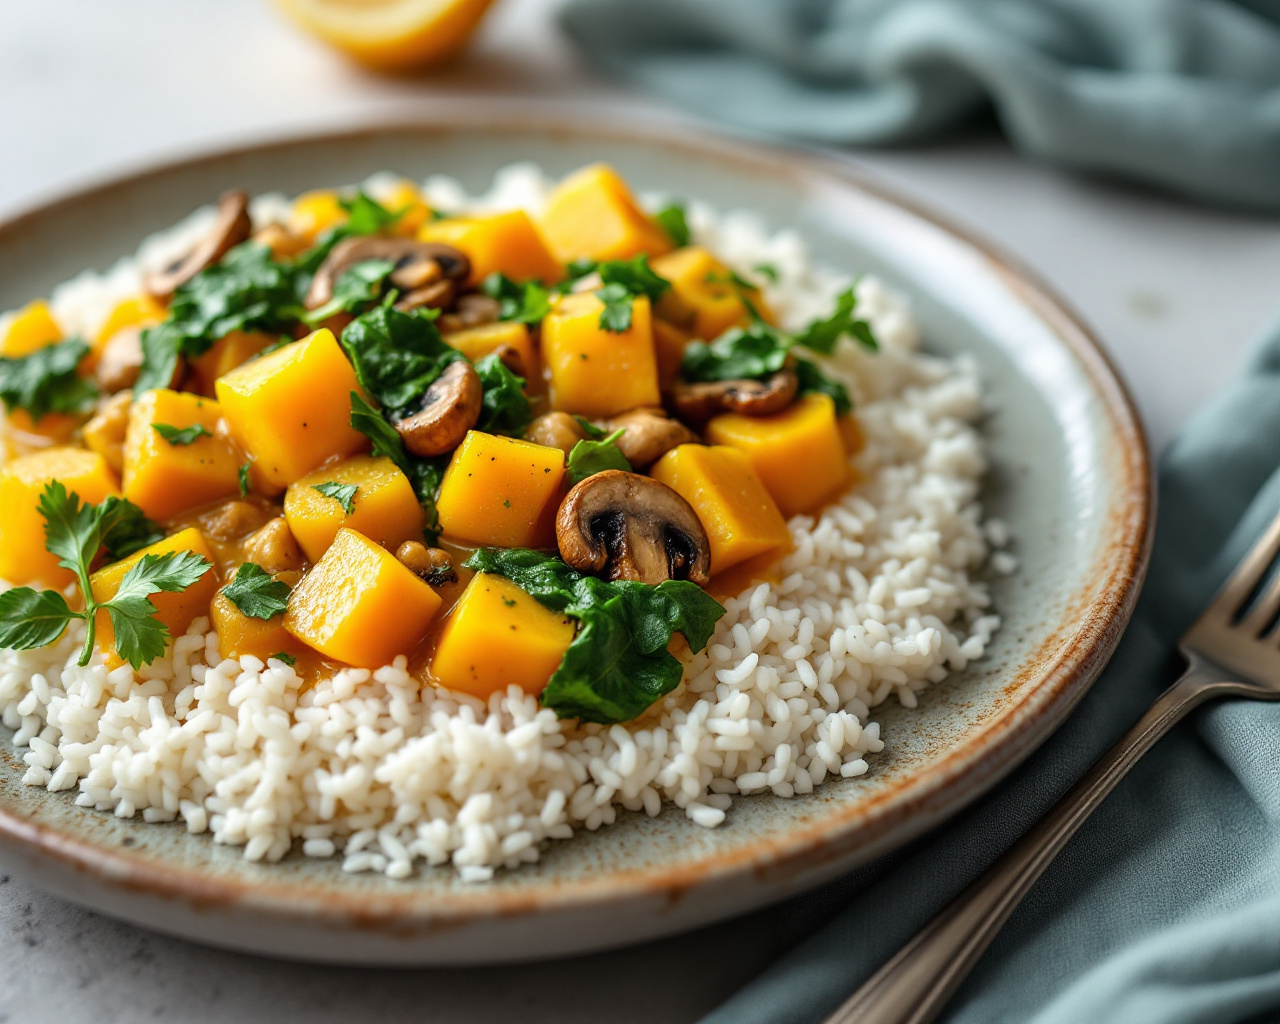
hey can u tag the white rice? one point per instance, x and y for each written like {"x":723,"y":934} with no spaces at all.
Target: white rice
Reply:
{"x":878,"y":598}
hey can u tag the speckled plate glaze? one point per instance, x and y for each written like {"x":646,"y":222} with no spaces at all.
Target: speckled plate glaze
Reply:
{"x":1070,"y":474}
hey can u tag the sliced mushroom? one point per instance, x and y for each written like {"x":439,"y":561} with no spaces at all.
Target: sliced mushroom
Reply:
{"x":418,"y":266}
{"x":630,"y":527}
{"x":273,"y":547}
{"x":697,"y":403}
{"x":451,"y":406}
{"x":121,"y":360}
{"x":648,"y":435}
{"x":555,"y":430}
{"x":433,"y":565}
{"x":230,"y":229}
{"x":439,"y":295}
{"x":472,"y":310}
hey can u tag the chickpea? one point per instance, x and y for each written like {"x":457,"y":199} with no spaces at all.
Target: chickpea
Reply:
{"x":274,"y":548}
{"x":432,"y":564}
{"x":104,"y":433}
{"x":233,"y":519}
{"x":555,"y":430}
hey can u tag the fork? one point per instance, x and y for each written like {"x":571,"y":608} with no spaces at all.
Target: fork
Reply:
{"x":1232,"y":650}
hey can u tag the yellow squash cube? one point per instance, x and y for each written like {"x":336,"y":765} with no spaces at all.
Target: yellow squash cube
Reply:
{"x":404,"y":199}
{"x":314,"y":213}
{"x":240,"y":635}
{"x":32,"y":327}
{"x":498,"y":636}
{"x":290,"y":409}
{"x":359,"y":605}
{"x":703,"y":298}
{"x":477,"y":342}
{"x":594,"y":372}
{"x":139,"y":310}
{"x":593,"y":215}
{"x":798,"y":453}
{"x":175,"y":610}
{"x":163,"y":478}
{"x":740,"y":517}
{"x":23,"y":556}
{"x":384,"y":507}
{"x":500,"y":492}
{"x":505,"y":243}
{"x":236,"y":349}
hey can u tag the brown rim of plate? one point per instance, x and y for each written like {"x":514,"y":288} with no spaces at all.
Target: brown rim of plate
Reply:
{"x":1066,"y":664}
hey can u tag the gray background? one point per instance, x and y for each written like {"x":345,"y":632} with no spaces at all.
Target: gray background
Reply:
{"x":93,"y":87}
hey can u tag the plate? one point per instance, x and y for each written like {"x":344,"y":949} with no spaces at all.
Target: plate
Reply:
{"x":1069,"y":474}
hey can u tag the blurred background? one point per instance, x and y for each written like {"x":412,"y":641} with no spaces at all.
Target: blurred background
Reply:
{"x":91,"y":88}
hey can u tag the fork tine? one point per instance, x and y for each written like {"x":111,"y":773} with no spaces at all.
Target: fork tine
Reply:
{"x":1259,"y":617}
{"x":1252,"y":568}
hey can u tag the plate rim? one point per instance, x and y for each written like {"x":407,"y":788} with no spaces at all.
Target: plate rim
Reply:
{"x":992,"y":752}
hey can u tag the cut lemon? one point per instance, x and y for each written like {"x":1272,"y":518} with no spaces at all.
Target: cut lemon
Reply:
{"x":391,"y":35}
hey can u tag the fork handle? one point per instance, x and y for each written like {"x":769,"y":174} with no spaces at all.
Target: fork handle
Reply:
{"x":913,"y":987}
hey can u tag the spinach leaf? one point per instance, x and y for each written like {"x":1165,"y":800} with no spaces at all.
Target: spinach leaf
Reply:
{"x":46,"y":381}
{"x":247,"y":290}
{"x":618,"y":663}
{"x":423,"y":474}
{"x":754,"y":351}
{"x":506,"y":409}
{"x":593,"y":456}
{"x":814,"y":381}
{"x":360,"y":285}
{"x":397,"y":356}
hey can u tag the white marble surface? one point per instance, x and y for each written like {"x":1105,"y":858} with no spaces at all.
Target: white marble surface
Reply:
{"x":88,"y":87}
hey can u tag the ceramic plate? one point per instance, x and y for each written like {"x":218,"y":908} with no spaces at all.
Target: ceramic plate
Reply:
{"x":1070,"y":475}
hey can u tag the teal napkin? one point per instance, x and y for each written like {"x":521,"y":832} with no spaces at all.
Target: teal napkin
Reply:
{"x":1165,"y":908}
{"x":1184,"y":94}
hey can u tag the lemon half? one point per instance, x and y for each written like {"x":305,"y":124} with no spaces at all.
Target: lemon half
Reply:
{"x":390,"y":35}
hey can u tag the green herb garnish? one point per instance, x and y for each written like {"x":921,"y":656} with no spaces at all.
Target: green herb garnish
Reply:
{"x":256,"y":592}
{"x":505,"y":409}
{"x":526,"y":303}
{"x":618,"y":663}
{"x":181,"y":437}
{"x":767,"y":271}
{"x":46,"y":381}
{"x":822,"y":335}
{"x":126,"y":529}
{"x":75,"y":533}
{"x":623,"y":281}
{"x":343,"y":494}
{"x":595,"y":456}
{"x":671,"y":218}
{"x":287,"y":659}
{"x":243,"y":476}
{"x":590,"y":429}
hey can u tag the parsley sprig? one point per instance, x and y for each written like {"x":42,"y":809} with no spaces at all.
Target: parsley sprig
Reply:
{"x":257,"y":593}
{"x":343,"y":494}
{"x":596,"y":454}
{"x":622,"y":281}
{"x":181,"y":437}
{"x":75,"y":532}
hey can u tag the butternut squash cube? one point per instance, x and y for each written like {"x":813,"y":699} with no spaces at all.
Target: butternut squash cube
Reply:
{"x":404,"y":199}
{"x":703,"y":297}
{"x":175,"y":610}
{"x":477,"y":342}
{"x":501,"y":492}
{"x":740,"y":517}
{"x":594,"y":372}
{"x":593,"y":215}
{"x":506,"y":243}
{"x":314,"y":213}
{"x":139,"y":310}
{"x":290,"y":409}
{"x":23,"y":556}
{"x":669,"y":343}
{"x":384,"y":507}
{"x":240,"y":635}
{"x":32,"y":327}
{"x":165,"y":478}
{"x":359,"y":605}
{"x":498,"y":636}
{"x":798,"y":453}
{"x":236,"y":349}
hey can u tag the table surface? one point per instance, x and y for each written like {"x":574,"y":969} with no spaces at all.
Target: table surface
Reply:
{"x":88,"y":88}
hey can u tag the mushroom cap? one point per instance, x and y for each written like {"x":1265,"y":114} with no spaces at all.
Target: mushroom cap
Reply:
{"x":451,"y":407}
{"x":631,"y":527}
{"x":698,"y":402}
{"x":232,"y":227}
{"x":648,"y":434}
{"x":418,"y":265}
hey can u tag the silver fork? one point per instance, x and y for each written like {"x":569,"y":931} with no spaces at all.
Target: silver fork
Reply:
{"x":1233,"y":650}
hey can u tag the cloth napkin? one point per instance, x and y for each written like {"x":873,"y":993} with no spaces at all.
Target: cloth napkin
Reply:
{"x":1184,"y":94}
{"x":1165,"y":908}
